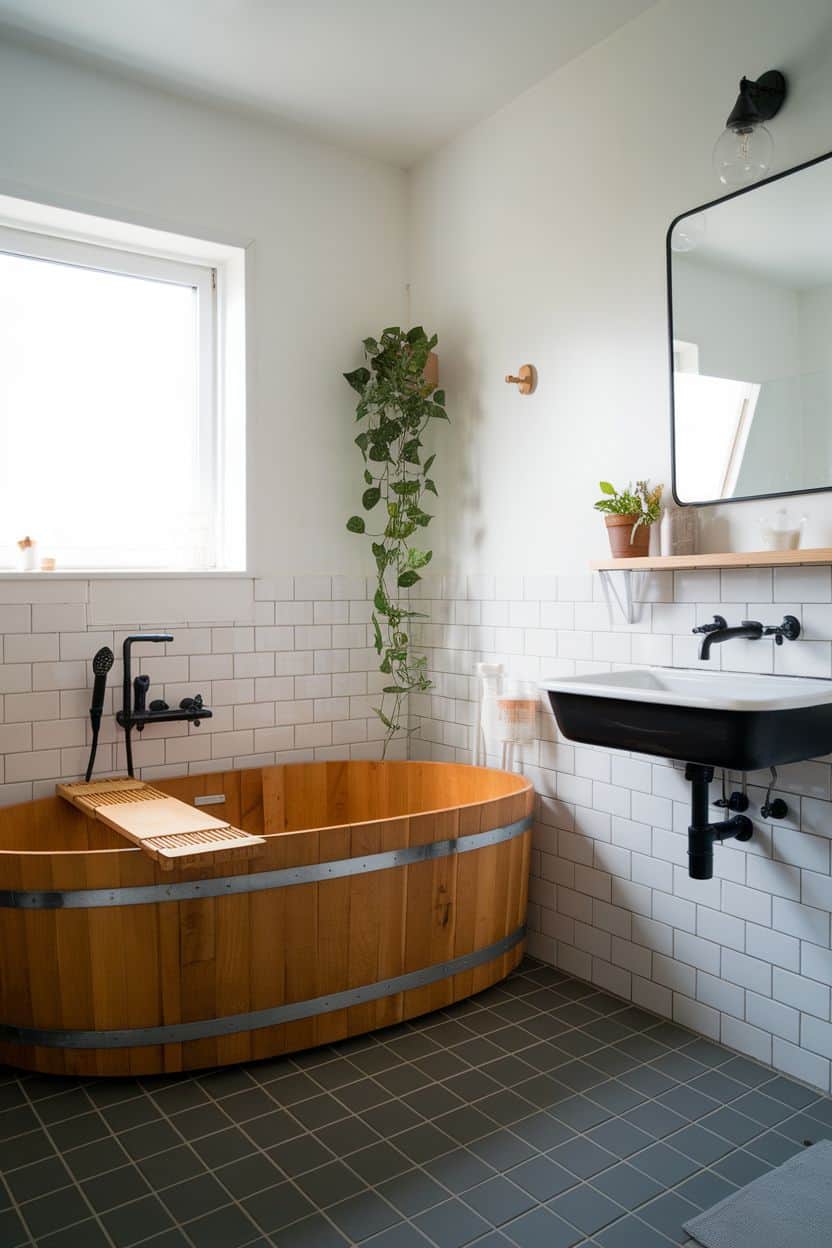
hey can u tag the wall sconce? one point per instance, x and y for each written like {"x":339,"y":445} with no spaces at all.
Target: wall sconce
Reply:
{"x":743,"y":151}
{"x":526,"y":379}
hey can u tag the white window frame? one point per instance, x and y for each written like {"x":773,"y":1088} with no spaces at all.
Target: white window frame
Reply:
{"x":217,"y":271}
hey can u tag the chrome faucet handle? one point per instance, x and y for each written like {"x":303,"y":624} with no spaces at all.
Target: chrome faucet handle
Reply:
{"x":719,"y":622}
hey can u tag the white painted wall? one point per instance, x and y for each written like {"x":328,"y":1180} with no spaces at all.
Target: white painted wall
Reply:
{"x":539,"y":235}
{"x":326,"y":234}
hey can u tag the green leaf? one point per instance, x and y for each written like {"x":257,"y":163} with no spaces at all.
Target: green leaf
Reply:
{"x":406,"y":579}
{"x":380,"y":453}
{"x":370,"y":346}
{"x":405,"y":488}
{"x":358,"y":379}
{"x":368,"y":477}
{"x":387,"y":723}
{"x":439,"y":413}
{"x":356,"y":525}
{"x":416,"y":334}
{"x":370,"y":497}
{"x":431,"y":485}
{"x":606,"y":488}
{"x":418,"y":558}
{"x":439,"y":397}
{"x":362,"y":441}
{"x":377,"y":639}
{"x":396,"y":689}
{"x":410,"y":451}
{"x":429,"y":463}
{"x":380,"y":601}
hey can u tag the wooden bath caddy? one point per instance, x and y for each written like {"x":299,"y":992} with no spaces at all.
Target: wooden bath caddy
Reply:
{"x":167,"y":830}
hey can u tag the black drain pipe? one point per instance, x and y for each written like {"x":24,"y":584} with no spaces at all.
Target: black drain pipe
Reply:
{"x":702,"y":833}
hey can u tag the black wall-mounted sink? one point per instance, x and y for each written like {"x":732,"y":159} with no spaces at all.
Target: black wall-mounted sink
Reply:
{"x":721,"y":719}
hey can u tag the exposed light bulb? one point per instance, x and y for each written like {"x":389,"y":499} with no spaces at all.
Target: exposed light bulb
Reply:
{"x":743,"y":156}
{"x":688,"y":233}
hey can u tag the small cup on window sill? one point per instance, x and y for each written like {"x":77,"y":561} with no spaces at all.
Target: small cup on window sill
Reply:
{"x":47,"y":564}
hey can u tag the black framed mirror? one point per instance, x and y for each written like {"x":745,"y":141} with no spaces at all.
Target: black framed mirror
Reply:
{"x":749,"y":279}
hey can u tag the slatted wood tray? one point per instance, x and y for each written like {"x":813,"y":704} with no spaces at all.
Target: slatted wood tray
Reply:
{"x":167,"y":830}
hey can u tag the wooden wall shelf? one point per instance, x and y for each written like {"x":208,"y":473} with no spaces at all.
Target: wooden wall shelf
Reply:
{"x":745,"y":559}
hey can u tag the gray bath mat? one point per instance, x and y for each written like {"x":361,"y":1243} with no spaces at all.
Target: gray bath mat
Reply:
{"x":787,"y":1207}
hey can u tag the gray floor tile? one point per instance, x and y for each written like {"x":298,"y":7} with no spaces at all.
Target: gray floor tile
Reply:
{"x":542,"y":1131}
{"x":12,"y":1230}
{"x":631,"y":1232}
{"x":502,"y":1149}
{"x":173,"y":1166}
{"x":315,"y":1231}
{"x":194,"y":1197}
{"x":732,"y":1125}
{"x":741,"y":1167}
{"x":657,"y":1120}
{"x":116,"y":1188}
{"x":667,"y":1213}
{"x":704,"y":1146}
{"x":54,"y":1211}
{"x":249,"y":1175}
{"x":460,"y":1169}
{"x":38,"y":1179}
{"x":364,"y":1215}
{"x":705,"y":1189}
{"x":627,"y":1186}
{"x":665,"y":1164}
{"x":543,"y":1178}
{"x":225,"y":1228}
{"x":580,"y":1113}
{"x":412,"y":1192}
{"x":586,"y":1208}
{"x":329,"y":1184}
{"x":789,"y":1092}
{"x":583,"y":1157}
{"x":277,"y":1207}
{"x":773,"y":1147}
{"x":131,"y":1223}
{"x":498,"y":1200}
{"x":90,"y":1234}
{"x":620,"y":1138}
{"x":301,"y":1154}
{"x":542,"y":1229}
{"x":451,"y":1224}
{"x":401,"y":1236}
{"x":379,"y":1162}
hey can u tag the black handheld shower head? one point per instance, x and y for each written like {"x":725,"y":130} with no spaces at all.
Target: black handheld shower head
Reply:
{"x":101,"y":664}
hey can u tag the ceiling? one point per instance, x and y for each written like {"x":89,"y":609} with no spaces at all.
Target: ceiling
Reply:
{"x":391,"y":78}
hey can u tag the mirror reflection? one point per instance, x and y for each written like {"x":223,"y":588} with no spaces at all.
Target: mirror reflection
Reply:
{"x":751,"y":307}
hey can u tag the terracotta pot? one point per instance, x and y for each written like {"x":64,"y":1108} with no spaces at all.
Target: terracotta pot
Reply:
{"x":619,"y":529}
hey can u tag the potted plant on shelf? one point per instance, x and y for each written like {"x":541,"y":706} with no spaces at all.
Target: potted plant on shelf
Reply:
{"x":628,"y":515}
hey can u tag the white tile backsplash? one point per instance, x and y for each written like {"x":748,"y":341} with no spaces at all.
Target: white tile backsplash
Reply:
{"x":744,"y":958}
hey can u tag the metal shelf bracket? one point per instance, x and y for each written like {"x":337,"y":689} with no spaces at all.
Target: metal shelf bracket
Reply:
{"x":625,"y":602}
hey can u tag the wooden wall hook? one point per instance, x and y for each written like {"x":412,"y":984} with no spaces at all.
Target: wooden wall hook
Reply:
{"x":526,"y":379}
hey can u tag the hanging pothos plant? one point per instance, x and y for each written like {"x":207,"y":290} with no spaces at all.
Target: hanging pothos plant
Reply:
{"x":396,"y":405}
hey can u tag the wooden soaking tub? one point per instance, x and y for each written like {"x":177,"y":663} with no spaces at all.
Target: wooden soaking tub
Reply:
{"x":384,"y":890}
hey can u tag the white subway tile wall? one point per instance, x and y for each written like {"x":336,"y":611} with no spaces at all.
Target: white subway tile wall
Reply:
{"x":744,"y":958}
{"x":288,"y":677}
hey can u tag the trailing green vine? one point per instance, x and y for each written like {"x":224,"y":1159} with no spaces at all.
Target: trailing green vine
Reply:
{"x":396,"y":405}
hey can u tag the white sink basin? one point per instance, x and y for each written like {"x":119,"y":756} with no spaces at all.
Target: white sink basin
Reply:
{"x":690,"y":687}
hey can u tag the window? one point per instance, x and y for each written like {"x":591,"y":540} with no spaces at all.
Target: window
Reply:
{"x":116,"y":451}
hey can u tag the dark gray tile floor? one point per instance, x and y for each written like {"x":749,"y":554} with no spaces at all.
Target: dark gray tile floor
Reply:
{"x":541,"y":1114}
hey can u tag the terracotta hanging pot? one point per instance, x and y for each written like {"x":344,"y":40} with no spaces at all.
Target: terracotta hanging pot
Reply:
{"x":620,"y":530}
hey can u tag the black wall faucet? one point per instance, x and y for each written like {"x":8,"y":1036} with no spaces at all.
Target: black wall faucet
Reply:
{"x":752,"y":630}
{"x":135,"y":713}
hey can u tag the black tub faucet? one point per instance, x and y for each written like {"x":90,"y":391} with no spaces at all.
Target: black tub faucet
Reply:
{"x":134,"y":711}
{"x":752,"y":630}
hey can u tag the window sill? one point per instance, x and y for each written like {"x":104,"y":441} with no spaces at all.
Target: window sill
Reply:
{"x":146,"y":574}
